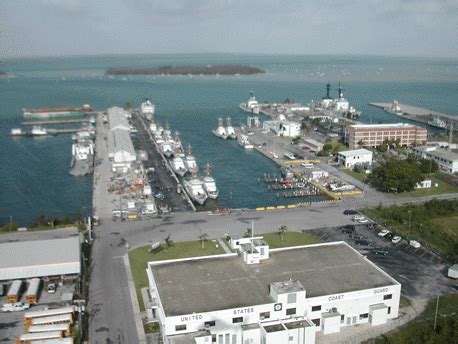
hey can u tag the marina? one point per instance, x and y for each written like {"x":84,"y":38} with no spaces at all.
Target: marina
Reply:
{"x":419,"y":114}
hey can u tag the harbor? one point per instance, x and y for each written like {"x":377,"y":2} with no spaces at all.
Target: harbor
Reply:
{"x":419,"y":114}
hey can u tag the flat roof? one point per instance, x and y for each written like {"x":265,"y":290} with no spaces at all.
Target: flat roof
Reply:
{"x":438,"y":152}
{"x":27,"y":259}
{"x":354,"y":152}
{"x":385,"y":125}
{"x":226,"y":282}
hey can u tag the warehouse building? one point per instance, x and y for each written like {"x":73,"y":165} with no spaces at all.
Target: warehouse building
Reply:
{"x":269,"y":296}
{"x":58,"y":258}
{"x":445,"y":158}
{"x":373,"y":135}
{"x":121,"y":151}
{"x":354,"y":157}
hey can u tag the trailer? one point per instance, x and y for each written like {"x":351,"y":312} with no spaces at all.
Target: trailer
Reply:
{"x":31,"y":294}
{"x":64,"y":328}
{"x":32,"y":337}
{"x":54,"y":319}
{"x":14,"y":291}
{"x":47,"y":313}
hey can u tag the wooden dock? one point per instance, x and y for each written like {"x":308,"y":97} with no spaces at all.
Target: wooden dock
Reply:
{"x":57,"y":121}
{"x":420,"y":115}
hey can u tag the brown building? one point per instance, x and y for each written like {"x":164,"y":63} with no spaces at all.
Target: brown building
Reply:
{"x":372,"y":135}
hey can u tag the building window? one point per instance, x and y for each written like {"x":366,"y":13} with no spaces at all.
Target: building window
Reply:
{"x":291,"y":311}
{"x":264,"y":315}
{"x":388,"y":297}
{"x":180,"y":327}
{"x":213,"y":338}
{"x":389,"y":310}
{"x":316,"y":322}
{"x":363,"y":316}
{"x":342,"y":318}
{"x":291,"y":298}
{"x":316,"y":308}
{"x":237,"y":320}
{"x":291,"y":338}
{"x":209,"y":323}
{"x":234,"y":339}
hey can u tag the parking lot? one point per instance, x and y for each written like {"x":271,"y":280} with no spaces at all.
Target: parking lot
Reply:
{"x":419,"y":271}
{"x":11,"y":325}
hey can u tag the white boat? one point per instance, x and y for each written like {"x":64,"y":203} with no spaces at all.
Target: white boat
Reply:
{"x":195,"y":189}
{"x":230,"y":130}
{"x":16,"y":131}
{"x":394,"y":108}
{"x":220,"y":131}
{"x":438,"y":123}
{"x":39,"y":131}
{"x":210,"y":185}
{"x":251,"y":105}
{"x":178,"y":165}
{"x":243,"y":141}
{"x":190,"y":162}
{"x":289,"y":155}
{"x":341,"y":187}
{"x":147,"y":109}
{"x":178,"y":145}
{"x":166,"y":149}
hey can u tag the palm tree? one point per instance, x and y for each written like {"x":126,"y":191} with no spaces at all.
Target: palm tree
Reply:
{"x":248,"y":233}
{"x":168,"y":241}
{"x":281,"y":231}
{"x":203,"y":238}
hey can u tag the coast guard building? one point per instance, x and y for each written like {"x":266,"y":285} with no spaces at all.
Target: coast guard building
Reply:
{"x":269,"y":296}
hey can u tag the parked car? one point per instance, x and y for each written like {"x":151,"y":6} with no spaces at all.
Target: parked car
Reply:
{"x":362,"y":220}
{"x":389,"y":236}
{"x":379,"y":250}
{"x":350,"y":212}
{"x":356,"y":236}
{"x":357,"y":217}
{"x":363,"y":242}
{"x":414,"y":244}
{"x":383,"y":232}
{"x":396,"y":239}
{"x":15,"y":307}
{"x":51,"y":288}
{"x":347,"y":229}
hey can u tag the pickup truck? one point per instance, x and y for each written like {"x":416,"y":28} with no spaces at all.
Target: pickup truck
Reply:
{"x":14,"y":307}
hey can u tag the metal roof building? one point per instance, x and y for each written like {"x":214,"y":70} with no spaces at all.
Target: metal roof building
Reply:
{"x":40,"y":258}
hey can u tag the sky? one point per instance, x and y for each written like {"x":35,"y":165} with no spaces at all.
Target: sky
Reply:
{"x":31,"y":28}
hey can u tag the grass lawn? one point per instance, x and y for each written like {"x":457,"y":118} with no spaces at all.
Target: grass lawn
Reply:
{"x":140,"y":256}
{"x":440,"y":189}
{"x":360,"y":176}
{"x":289,"y":239}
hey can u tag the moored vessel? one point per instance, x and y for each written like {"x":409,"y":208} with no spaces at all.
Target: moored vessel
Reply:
{"x":251,"y":105}
{"x":194,"y":188}
{"x":230,"y":131}
{"x":209,"y":184}
{"x":220,"y":131}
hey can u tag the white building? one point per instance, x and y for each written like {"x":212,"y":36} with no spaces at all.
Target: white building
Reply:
{"x":282,"y":127}
{"x":447,"y":160}
{"x":121,"y":151}
{"x":262,"y":296}
{"x":355,"y":157}
{"x":40,"y":258}
{"x":118,"y":118}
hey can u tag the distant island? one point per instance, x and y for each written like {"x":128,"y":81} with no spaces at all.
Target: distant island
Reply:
{"x":190,"y":70}
{"x":2,"y":73}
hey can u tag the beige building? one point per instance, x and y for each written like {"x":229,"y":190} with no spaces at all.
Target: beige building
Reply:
{"x":372,"y":135}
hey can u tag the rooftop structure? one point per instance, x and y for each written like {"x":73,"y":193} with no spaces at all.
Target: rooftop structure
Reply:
{"x":355,"y":157}
{"x":373,"y":135}
{"x":40,"y":258}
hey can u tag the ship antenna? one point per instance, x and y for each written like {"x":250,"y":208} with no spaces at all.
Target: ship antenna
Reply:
{"x":328,"y":89}
{"x":208,"y":171}
{"x":340,"y":91}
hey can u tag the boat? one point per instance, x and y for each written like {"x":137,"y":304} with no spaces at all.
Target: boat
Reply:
{"x":220,"y":131}
{"x":394,"y":108}
{"x":166,"y":149}
{"x":341,"y":187}
{"x":209,"y":184}
{"x":39,"y":131}
{"x":438,"y":123}
{"x":178,"y":165}
{"x":195,"y":189}
{"x":230,"y":131}
{"x":17,"y":132}
{"x":190,"y":162}
{"x":147,"y":109}
{"x":251,"y":105}
{"x":82,"y":162}
{"x":49,"y":112}
{"x":178,"y":145}
{"x":243,"y":141}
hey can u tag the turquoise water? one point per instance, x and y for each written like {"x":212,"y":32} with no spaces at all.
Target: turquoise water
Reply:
{"x":34,"y":171}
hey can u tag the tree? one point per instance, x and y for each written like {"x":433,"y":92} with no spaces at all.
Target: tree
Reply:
{"x":399,"y":175}
{"x":281,"y":231}
{"x":203,"y":239}
{"x":428,"y":166}
{"x":168,"y":241}
{"x":361,"y":143}
{"x":248,"y":233}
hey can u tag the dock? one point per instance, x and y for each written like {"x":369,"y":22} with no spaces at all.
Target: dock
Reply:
{"x":420,"y":115}
{"x":57,"y":121}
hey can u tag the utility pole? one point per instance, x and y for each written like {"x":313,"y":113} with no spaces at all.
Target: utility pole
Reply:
{"x":435,"y":317}
{"x":11,"y":223}
{"x":410,"y":219}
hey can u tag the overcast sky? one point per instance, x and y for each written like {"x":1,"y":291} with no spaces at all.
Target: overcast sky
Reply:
{"x":87,"y":27}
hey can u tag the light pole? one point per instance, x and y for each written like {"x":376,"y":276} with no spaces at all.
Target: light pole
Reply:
{"x":410,"y":220}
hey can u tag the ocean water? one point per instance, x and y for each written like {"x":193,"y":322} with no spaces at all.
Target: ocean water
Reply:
{"x":34,"y":171}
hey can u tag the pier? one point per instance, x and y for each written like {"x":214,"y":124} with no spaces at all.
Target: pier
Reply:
{"x":420,"y":115}
{"x":57,"y":121}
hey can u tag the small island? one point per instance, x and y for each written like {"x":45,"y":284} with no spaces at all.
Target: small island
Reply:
{"x":187,"y":70}
{"x":2,"y":74}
